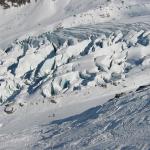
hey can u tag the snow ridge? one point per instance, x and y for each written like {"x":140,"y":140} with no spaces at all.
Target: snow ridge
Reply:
{"x":68,"y":64}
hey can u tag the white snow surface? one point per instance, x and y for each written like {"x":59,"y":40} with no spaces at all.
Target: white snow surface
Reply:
{"x":75,"y":74}
{"x":46,"y":15}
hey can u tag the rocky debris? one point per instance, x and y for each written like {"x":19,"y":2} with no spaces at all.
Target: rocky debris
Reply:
{"x":53,"y":101}
{"x":141,"y":88}
{"x":119,"y":95}
{"x":13,"y":3}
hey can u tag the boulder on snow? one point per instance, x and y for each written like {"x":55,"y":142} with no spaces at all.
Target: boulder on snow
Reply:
{"x":9,"y":108}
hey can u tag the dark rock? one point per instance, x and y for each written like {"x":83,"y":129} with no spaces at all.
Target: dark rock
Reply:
{"x":119,"y":95}
{"x":53,"y":101}
{"x":9,"y":110}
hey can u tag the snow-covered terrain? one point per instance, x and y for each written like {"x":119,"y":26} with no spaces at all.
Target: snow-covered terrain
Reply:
{"x":121,"y":123}
{"x":75,"y":74}
{"x":46,"y":15}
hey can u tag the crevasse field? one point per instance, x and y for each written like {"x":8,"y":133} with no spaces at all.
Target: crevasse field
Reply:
{"x":75,"y":75}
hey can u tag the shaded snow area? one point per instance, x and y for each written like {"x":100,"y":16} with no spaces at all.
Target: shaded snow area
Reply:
{"x":121,"y":123}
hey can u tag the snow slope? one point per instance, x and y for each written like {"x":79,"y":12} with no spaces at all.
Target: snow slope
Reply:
{"x":89,"y":59}
{"x":46,"y":15}
{"x":121,"y":123}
